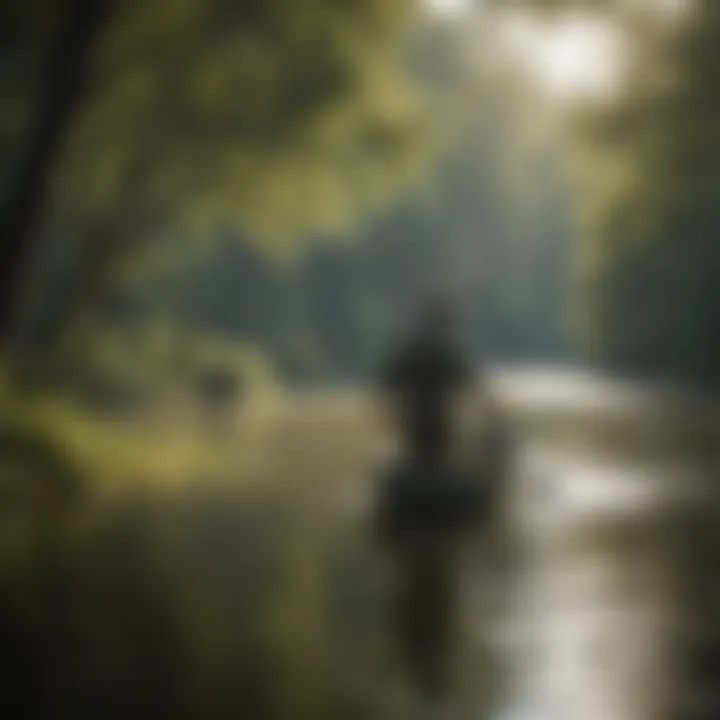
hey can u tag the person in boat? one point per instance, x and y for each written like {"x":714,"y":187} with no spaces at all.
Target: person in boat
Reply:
{"x":422,"y":384}
{"x":423,"y":381}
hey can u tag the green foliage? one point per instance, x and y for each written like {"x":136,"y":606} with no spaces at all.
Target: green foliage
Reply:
{"x":133,"y":364}
{"x":333,"y":311}
{"x":216,"y":137}
{"x":276,"y":117}
{"x":50,"y":446}
{"x":276,"y":120}
{"x":242,"y":361}
{"x":651,"y":265}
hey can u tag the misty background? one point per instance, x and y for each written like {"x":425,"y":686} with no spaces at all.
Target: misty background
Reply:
{"x":217,"y":216}
{"x":287,"y":183}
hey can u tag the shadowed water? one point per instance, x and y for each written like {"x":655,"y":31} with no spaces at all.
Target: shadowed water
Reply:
{"x":261,"y":596}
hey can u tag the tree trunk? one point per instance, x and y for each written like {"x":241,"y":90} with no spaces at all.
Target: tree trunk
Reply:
{"x":61,"y":91}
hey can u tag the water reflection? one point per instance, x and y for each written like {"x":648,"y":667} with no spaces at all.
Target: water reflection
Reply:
{"x":612,"y":547}
{"x":594,"y":597}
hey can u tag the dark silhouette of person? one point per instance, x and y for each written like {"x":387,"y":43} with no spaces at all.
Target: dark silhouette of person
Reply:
{"x":423,"y":379}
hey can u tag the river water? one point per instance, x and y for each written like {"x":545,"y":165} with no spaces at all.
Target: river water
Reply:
{"x":612,"y":616}
{"x":254,"y":595}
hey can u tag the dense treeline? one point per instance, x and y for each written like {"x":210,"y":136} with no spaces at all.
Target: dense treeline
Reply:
{"x":271,"y":238}
{"x":272,"y":118}
{"x":486,"y":220}
{"x":290,"y":178}
{"x":332,"y":312}
{"x":651,"y":260}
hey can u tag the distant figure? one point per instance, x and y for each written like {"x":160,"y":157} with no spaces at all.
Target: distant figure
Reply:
{"x":423,"y":381}
{"x":426,"y":503}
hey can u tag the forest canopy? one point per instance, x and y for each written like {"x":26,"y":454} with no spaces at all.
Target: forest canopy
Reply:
{"x":292,"y":176}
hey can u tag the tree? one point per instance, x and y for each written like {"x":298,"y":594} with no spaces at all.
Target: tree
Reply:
{"x":500,"y":243}
{"x":60,"y":91}
{"x":652,"y":262}
{"x":276,"y":118}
